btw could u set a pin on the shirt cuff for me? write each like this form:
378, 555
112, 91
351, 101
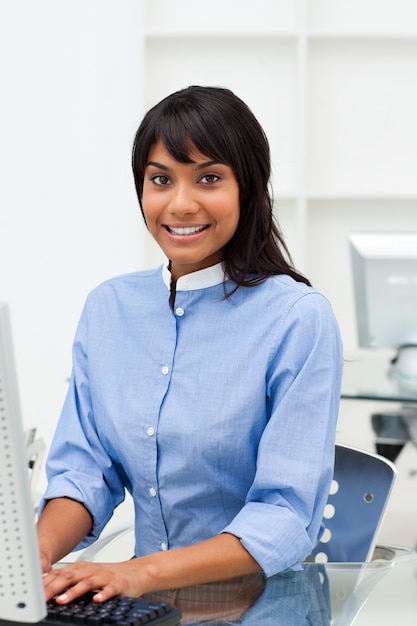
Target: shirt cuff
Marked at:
274, 536
100, 507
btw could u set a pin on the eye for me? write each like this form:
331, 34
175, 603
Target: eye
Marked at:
209, 179
160, 180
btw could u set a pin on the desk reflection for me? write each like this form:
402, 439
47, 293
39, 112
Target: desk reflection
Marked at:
332, 594
290, 599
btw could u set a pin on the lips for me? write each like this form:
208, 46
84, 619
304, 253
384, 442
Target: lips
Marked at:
186, 230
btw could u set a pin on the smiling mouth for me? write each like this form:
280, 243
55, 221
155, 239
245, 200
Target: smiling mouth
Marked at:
187, 230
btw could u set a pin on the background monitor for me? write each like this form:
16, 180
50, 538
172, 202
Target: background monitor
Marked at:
21, 589
385, 287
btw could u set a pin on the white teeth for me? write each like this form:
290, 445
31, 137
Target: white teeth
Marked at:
188, 230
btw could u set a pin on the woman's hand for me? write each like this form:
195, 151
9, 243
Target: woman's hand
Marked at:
106, 579
214, 559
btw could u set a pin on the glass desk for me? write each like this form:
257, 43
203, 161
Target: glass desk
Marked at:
380, 593
365, 377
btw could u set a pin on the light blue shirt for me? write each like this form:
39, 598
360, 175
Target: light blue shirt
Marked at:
217, 416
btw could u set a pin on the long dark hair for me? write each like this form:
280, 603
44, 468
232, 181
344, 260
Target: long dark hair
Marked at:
221, 126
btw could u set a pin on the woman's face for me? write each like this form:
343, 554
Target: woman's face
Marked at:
191, 209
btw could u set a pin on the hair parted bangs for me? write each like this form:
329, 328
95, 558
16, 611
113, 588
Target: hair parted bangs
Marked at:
212, 120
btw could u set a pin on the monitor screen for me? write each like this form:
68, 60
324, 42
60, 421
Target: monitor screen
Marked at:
385, 287
21, 589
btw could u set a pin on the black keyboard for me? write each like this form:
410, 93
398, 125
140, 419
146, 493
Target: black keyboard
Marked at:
118, 611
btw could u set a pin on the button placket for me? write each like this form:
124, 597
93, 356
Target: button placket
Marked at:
165, 371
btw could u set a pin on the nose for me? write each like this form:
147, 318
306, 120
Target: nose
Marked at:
183, 200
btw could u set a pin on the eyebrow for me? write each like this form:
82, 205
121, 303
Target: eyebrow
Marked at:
199, 166
158, 165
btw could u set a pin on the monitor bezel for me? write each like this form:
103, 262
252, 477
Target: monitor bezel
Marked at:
368, 247
21, 589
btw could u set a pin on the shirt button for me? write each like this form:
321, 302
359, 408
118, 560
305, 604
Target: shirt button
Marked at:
152, 492
164, 546
179, 311
165, 370
150, 431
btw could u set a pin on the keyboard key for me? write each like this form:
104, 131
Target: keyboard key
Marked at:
119, 611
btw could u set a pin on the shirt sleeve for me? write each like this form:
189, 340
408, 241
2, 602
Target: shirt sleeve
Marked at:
78, 466
280, 522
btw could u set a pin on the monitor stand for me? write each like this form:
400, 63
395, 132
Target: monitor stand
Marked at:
403, 368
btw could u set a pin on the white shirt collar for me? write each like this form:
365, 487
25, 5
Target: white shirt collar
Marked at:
201, 279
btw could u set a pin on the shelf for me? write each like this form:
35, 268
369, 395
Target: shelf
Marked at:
278, 34
197, 33
360, 197
371, 16
358, 96
371, 35
228, 16
347, 197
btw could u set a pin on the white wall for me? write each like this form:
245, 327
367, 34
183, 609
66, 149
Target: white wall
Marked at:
75, 79
69, 218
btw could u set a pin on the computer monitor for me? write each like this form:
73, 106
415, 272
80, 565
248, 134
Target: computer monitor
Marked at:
385, 287
21, 589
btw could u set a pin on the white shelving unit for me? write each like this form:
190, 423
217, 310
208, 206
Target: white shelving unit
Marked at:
334, 84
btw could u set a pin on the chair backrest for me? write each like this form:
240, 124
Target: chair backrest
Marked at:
35, 454
360, 490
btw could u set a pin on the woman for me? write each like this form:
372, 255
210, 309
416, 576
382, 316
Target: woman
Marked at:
208, 388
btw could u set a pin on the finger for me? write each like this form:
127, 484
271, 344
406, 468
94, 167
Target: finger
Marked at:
55, 583
103, 592
79, 589
58, 581
73, 583
108, 591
